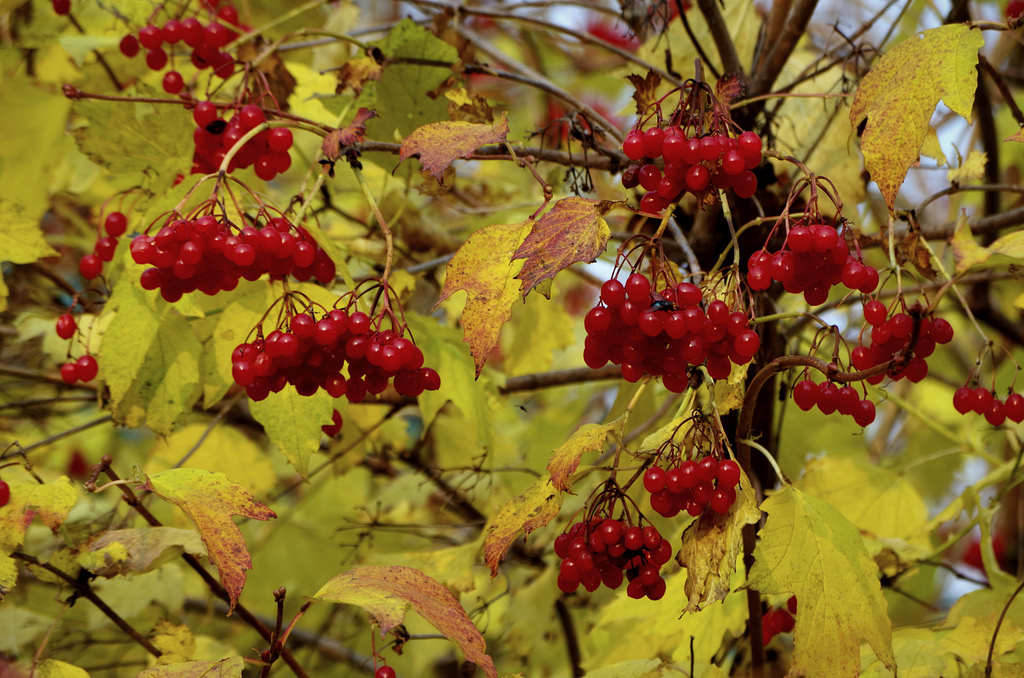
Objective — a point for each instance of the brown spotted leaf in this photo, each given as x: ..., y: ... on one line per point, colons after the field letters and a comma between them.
x: 532, y: 508
x: 710, y: 547
x: 913, y: 249
x: 728, y: 89
x: 336, y: 142
x: 357, y: 72
x: 573, y: 231
x: 483, y: 268
x: 646, y: 87
x: 898, y: 96
x: 209, y: 500
x: 1016, y: 136
x: 438, y: 144
x: 566, y: 458
x: 386, y: 593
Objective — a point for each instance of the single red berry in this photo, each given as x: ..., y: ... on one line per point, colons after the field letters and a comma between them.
x: 384, y: 672
x: 86, y: 368
x: 638, y: 288
x: 66, y: 326
x: 996, y: 414
x: 69, y: 373
x: 963, y: 399
x: 633, y: 145
x: 5, y: 493
x: 151, y: 37
x: 864, y: 414
x: 875, y: 312
x: 129, y: 46
x: 805, y: 394
x: 1014, y: 407
x: 173, y: 82
x: 115, y: 224
x: 983, y: 399
x: 90, y: 266
x: 728, y: 473
x: 331, y: 430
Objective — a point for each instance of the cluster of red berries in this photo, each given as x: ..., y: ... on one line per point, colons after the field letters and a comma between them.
x: 91, y: 265
x: 205, y: 40
x: 774, y: 622
x: 267, y: 152
x: 691, y: 163
x: 891, y: 336
x: 981, y: 401
x: 814, y: 258
x: 310, y: 354
x: 605, y: 550
x: 829, y: 398
x: 693, y: 486
x: 84, y: 369
x: 662, y: 333
x: 206, y: 254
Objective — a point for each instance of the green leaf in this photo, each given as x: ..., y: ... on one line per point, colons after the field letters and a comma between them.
x: 898, y: 96
x: 386, y: 592
x: 209, y: 500
x: 810, y: 550
x: 631, y: 668
x: 292, y: 422
x: 136, y: 138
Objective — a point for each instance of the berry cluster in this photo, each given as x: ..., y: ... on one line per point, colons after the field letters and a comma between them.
x: 829, y: 398
x: 214, y: 137
x: 774, y: 622
x: 912, y: 335
x: 981, y: 401
x: 84, y: 369
x: 310, y: 354
x: 205, y: 40
x: 605, y: 550
x: 814, y: 258
x: 693, y: 486
x: 662, y: 333
x: 691, y: 163
x: 210, y: 254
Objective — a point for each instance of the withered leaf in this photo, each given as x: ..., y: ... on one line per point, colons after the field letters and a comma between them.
x: 337, y: 142
x: 438, y: 144
x: 357, y: 72
x: 646, y: 93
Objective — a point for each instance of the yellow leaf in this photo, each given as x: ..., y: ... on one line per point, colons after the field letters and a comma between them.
x: 209, y: 500
x: 972, y: 637
x: 970, y: 170
x: 174, y: 641
x: 566, y: 458
x: 109, y: 558
x: 225, y: 668
x: 532, y: 508
x: 484, y: 269
x: 386, y: 592
x: 711, y: 545
x: 898, y: 96
x: 438, y: 144
x: 631, y: 668
x: 808, y: 549
x: 53, y: 668
x: 21, y: 239
x: 879, y: 502
x: 452, y: 567
x: 920, y: 653
x: 932, y: 148
x: 572, y: 231
x: 1011, y: 245
x: 966, y: 251
x: 118, y: 552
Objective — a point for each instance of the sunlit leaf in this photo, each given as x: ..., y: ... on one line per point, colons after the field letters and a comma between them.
x: 966, y: 251
x: 534, y: 507
x: 117, y: 552
x: 386, y: 593
x: 566, y: 459
x: 21, y: 240
x: 972, y: 169
x: 808, y: 549
x: 898, y: 96
x: 54, y: 668
x: 440, y: 143
x: 209, y: 500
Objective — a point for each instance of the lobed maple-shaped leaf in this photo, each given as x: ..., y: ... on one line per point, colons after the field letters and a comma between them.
x: 645, y: 88
x: 566, y: 458
x: 573, y: 231
x: 484, y: 269
x: 898, y: 96
x: 209, y: 500
x: 386, y: 593
x: 534, y: 507
x: 225, y: 668
x: 810, y: 550
x: 50, y: 502
x: 438, y: 144
x: 711, y: 545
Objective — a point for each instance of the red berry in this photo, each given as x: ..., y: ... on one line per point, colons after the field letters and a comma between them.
x: 115, y: 224
x: 638, y: 288
x: 653, y: 139
x: 5, y: 493
x: 69, y: 373
x: 151, y: 37
x: 864, y: 414
x: 805, y: 394
x: 129, y: 46
x: 875, y: 312
x: 384, y: 672
x: 90, y: 266
x: 156, y: 59
x: 66, y: 326
x: 654, y: 479
x: 1014, y: 407
x: 173, y: 82
x: 633, y: 145
x: 86, y: 368
x: 728, y: 473
x: 331, y: 430
x: 983, y: 400
x: 996, y: 414
x: 963, y: 399
x: 697, y: 178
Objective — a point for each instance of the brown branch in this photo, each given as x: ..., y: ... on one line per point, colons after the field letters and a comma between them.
x: 763, y: 78
x: 572, y: 644
x: 610, y: 160
x: 720, y: 34
x: 84, y: 590
x: 1004, y: 91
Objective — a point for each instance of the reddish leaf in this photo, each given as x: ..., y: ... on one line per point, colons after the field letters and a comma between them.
x: 574, y: 230
x: 484, y: 270
x: 440, y: 143
x: 337, y: 143
x: 386, y: 592
x: 646, y: 93
x: 533, y: 508
x: 209, y: 500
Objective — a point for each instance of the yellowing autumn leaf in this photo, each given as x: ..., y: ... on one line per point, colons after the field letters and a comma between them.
x: 572, y: 231
x: 532, y: 508
x: 1016, y: 136
x: 140, y: 550
x: 711, y: 545
x: 50, y: 502
x: 225, y: 668
x: 970, y: 170
x: 566, y: 458
x: 54, y: 668
x: 808, y: 549
x: 386, y: 593
x: 438, y: 144
x: 209, y: 500
x: 484, y: 269
x: 175, y: 641
x: 898, y: 96
x: 966, y: 251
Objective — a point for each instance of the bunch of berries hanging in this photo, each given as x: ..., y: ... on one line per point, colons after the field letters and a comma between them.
x: 601, y: 549
x: 312, y: 347
x: 905, y: 339
x: 658, y: 326
x: 693, y: 477
x: 816, y: 255
x: 696, y: 148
